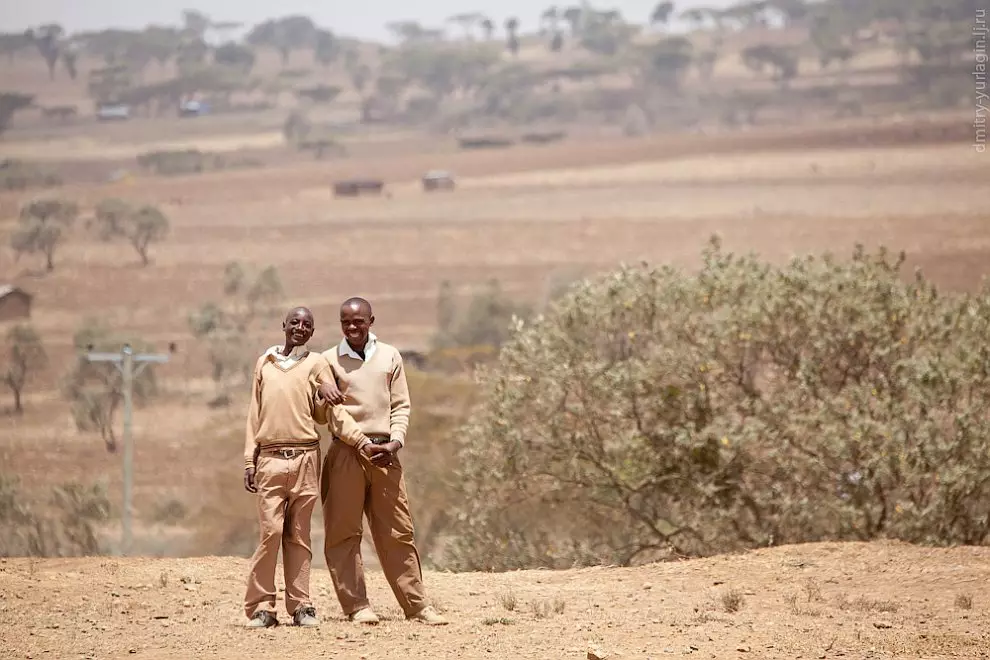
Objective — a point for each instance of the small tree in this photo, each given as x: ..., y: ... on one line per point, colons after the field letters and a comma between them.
x: 511, y: 36
x: 95, y: 389
x: 661, y: 13
x: 26, y: 356
x: 140, y: 226
x: 235, y: 56
x: 47, y: 39
x: 226, y: 326
x: 42, y: 227
x: 10, y: 103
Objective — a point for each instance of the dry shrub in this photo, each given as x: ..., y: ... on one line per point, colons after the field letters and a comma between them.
x: 67, y: 527
x: 655, y: 413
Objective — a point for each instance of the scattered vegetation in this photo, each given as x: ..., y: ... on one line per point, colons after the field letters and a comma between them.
x: 138, y: 225
x: 508, y: 600
x: 42, y: 228
x: 25, y: 357
x: 95, y: 389
x: 227, y: 325
x: 20, y: 175
x: 731, y: 601
x: 485, y: 320
x: 66, y: 527
x: 192, y: 161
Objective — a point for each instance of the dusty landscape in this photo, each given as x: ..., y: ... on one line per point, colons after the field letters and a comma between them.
x: 881, y: 600
x: 532, y: 217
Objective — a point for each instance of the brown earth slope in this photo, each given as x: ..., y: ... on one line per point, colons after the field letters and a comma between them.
x: 879, y: 600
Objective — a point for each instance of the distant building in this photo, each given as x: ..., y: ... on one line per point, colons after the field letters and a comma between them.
x: 15, y: 303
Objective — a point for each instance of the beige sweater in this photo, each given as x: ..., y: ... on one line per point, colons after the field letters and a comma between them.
x: 283, y: 411
x: 376, y: 393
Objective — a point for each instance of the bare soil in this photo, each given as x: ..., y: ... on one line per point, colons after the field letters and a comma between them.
x: 878, y: 600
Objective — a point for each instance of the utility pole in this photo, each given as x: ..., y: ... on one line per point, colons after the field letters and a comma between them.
x: 129, y: 365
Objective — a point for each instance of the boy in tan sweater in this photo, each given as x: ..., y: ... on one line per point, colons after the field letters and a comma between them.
x: 282, y: 463
x: 369, y: 479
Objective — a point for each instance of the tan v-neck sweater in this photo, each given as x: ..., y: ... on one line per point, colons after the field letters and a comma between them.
x: 375, y: 391
x: 283, y: 411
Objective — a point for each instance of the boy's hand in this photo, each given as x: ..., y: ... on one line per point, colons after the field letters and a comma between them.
x: 331, y: 393
x: 371, y: 450
x: 383, y: 458
x: 249, y: 484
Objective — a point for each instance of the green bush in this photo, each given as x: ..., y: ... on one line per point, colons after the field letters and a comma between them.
x: 654, y: 413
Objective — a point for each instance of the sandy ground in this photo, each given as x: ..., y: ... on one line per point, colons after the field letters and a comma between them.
x: 880, y: 600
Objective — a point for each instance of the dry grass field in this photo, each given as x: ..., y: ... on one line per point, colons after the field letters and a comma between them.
x: 529, y: 216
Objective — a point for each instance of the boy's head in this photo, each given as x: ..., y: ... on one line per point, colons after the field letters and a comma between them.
x: 298, y: 326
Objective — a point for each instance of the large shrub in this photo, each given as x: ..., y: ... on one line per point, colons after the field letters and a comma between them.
x: 654, y: 413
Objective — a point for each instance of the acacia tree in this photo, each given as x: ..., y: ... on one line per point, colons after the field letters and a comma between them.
x: 47, y: 39
x: 25, y: 356
x: 138, y: 225
x: 42, y: 227
x: 285, y: 35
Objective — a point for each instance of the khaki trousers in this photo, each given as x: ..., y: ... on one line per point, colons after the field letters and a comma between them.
x: 287, y: 492
x: 351, y: 486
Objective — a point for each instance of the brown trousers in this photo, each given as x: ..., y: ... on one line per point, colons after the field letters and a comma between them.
x: 351, y: 486
x: 287, y: 492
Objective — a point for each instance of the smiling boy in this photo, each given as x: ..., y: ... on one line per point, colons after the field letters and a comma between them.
x: 282, y: 465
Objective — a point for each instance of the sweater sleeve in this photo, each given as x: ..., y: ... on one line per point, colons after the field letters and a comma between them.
x: 343, y: 426
x: 254, y: 415
x: 339, y: 421
x: 399, y: 403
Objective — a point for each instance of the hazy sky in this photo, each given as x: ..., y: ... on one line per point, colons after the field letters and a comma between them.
x: 361, y: 18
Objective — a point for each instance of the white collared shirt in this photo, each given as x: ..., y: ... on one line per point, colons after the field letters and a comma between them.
x: 369, y: 348
x: 286, y: 361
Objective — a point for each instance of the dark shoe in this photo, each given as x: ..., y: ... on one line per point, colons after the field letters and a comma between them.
x: 305, y: 616
x: 263, y: 619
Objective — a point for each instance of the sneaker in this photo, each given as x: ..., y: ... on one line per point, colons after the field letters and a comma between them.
x: 429, y: 616
x: 305, y: 616
x: 263, y: 619
x: 364, y: 615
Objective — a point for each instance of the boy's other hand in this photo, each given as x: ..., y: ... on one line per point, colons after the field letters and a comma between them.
x: 249, y: 484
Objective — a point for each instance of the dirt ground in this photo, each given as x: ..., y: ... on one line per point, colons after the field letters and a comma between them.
x: 880, y: 600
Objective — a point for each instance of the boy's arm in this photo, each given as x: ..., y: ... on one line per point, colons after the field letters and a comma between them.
x: 338, y: 420
x: 254, y: 416
x: 399, y: 403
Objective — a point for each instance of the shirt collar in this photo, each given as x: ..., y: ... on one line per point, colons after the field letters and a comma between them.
x: 369, y: 348
x: 296, y: 353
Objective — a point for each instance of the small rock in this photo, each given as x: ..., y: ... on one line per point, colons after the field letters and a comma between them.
x: 187, y: 603
x: 647, y: 586
x: 742, y: 649
x: 596, y: 652
x: 882, y: 624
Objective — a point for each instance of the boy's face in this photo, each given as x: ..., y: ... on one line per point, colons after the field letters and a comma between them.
x: 298, y: 326
x: 355, y: 323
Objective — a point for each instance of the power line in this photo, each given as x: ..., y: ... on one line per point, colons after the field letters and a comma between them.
x: 129, y: 365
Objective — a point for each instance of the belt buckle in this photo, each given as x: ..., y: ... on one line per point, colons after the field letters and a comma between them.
x: 288, y: 453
